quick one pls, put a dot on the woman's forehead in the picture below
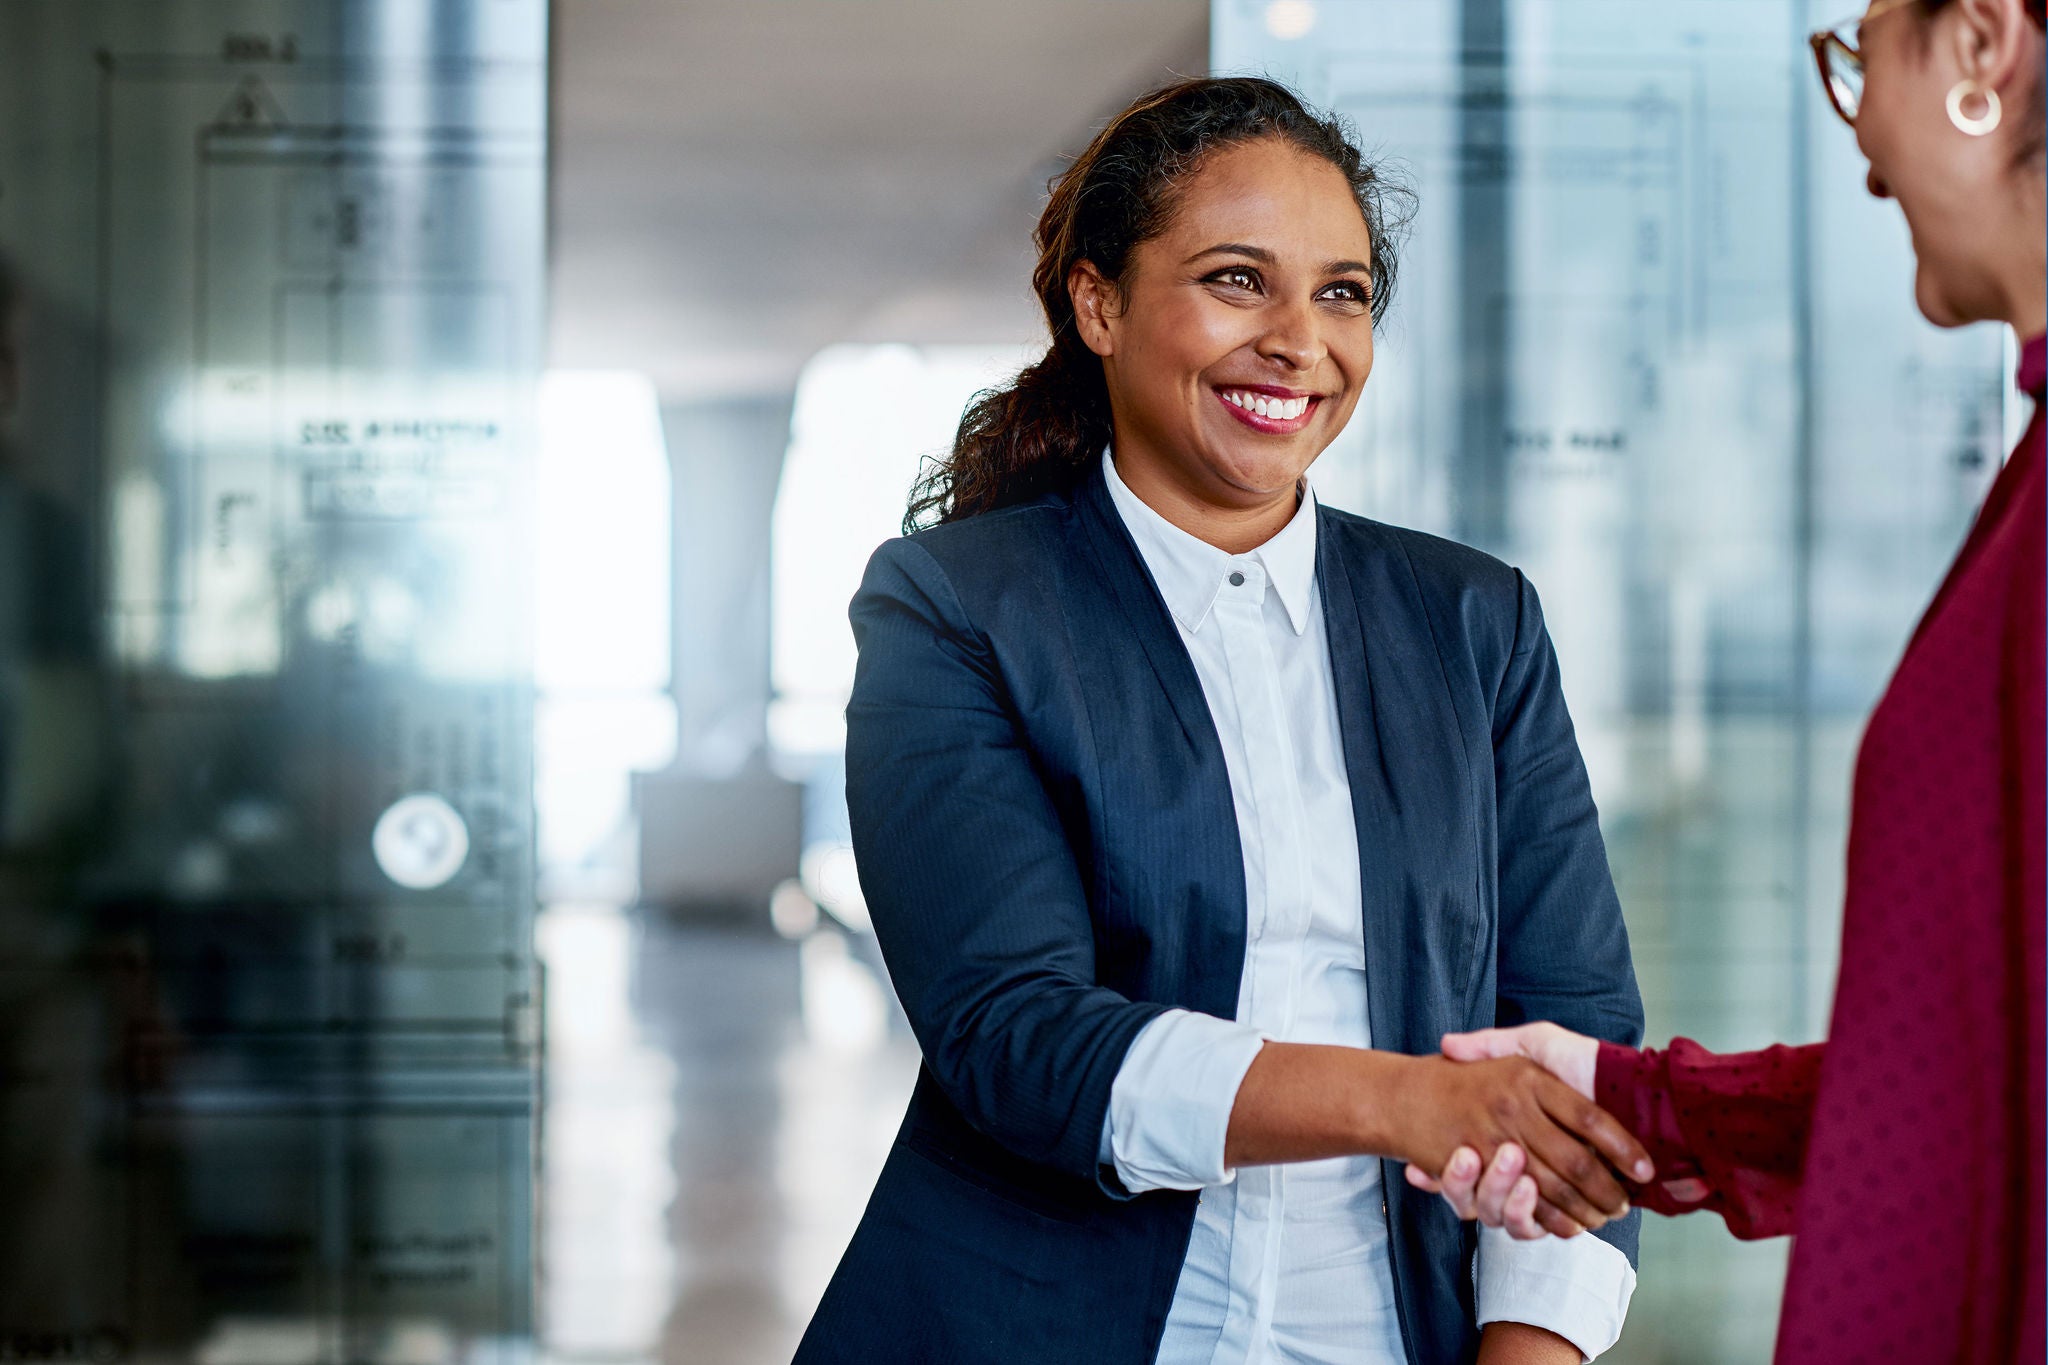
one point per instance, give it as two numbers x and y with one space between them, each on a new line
1271 191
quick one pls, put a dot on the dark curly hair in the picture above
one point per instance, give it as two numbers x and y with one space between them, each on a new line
1038 434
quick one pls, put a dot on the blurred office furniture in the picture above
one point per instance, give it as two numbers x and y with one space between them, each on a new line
719 829
718 845
267 998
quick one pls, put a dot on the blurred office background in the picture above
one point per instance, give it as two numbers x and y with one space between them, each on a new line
438 441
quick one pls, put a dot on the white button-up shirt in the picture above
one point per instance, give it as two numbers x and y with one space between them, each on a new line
1291 1263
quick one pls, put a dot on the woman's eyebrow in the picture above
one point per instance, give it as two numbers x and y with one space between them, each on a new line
1265 257
1257 253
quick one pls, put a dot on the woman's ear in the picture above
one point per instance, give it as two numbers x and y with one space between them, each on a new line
1094 299
1994 45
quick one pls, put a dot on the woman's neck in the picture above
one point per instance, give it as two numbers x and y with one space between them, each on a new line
2025 284
1234 529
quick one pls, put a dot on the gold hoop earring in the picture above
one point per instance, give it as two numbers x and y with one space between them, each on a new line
1981 124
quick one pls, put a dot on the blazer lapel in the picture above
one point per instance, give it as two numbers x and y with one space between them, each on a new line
1122 570
1404 760
1178 802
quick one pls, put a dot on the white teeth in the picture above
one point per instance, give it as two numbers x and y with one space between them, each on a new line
1279 409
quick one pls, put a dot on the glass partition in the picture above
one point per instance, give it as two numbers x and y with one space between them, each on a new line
272 319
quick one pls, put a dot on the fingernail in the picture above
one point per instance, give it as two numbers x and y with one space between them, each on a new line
1462 1163
1644 1170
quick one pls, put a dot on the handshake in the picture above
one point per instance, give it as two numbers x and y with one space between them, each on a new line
1548 1180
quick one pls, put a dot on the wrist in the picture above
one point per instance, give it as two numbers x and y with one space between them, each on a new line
1381 1108
1579 1060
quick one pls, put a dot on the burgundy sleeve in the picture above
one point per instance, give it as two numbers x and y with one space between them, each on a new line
1736 1122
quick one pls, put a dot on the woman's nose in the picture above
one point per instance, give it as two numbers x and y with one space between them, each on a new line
1292 338
1875 183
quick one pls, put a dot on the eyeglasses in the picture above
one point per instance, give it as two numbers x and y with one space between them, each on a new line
1838 52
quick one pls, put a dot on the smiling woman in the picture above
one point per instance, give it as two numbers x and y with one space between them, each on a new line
1188 811
1213 349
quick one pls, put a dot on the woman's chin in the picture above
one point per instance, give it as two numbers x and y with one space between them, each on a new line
1262 478
1942 303
1263 466
1927 297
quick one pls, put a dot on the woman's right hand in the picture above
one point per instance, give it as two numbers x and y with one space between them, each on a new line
1572 1146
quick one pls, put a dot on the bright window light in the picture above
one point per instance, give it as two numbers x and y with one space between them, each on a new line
601 535
601 570
865 418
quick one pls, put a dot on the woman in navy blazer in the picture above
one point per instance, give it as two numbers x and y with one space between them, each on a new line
1044 821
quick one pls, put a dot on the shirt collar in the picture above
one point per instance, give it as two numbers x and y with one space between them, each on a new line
1190 571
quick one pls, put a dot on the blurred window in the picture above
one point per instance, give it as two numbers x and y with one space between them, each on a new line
601 623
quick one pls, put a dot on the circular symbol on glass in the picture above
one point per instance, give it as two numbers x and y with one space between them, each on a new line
420 842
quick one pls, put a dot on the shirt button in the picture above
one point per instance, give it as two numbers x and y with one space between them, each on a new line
1237 580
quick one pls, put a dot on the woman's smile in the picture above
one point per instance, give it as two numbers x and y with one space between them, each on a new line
1268 408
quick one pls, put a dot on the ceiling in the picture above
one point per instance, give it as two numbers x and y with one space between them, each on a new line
737 183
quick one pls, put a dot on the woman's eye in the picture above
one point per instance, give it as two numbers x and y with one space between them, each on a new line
1348 291
1237 277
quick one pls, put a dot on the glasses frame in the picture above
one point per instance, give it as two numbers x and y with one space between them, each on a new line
1833 38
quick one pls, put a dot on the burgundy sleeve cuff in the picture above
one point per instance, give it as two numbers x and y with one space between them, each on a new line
1635 1086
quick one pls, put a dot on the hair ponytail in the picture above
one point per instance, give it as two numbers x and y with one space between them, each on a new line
1017 442
1038 434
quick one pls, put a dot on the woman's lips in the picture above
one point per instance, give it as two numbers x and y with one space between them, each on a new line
1244 408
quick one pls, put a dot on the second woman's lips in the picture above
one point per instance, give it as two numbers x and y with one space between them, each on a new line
1284 412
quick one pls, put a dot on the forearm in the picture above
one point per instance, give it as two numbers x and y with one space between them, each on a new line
1300 1102
1305 1102
1517 1343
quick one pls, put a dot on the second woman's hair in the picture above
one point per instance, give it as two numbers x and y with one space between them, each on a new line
1040 431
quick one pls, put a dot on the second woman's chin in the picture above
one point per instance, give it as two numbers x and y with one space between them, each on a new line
1949 294
1930 300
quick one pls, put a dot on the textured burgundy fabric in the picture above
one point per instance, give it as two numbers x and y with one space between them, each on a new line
1918 1204
1737 1121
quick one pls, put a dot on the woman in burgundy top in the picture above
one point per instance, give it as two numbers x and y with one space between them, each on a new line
1907 1151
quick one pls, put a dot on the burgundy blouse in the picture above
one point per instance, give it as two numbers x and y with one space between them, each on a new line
1907 1151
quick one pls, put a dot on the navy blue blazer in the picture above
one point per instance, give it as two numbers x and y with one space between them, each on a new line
1045 836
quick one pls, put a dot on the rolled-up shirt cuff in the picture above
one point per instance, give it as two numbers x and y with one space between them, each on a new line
1578 1287
1169 1107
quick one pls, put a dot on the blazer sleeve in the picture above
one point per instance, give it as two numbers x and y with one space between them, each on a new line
1563 953
975 893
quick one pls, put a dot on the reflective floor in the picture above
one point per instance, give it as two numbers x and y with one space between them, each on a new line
718 1103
